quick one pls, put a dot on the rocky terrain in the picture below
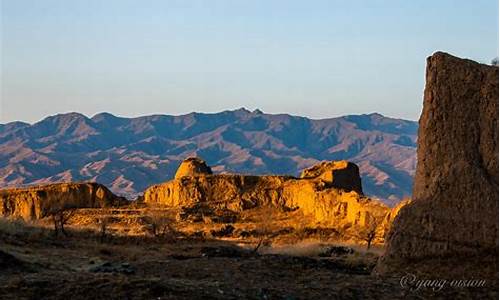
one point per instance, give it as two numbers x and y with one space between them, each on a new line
267 231
130 154
35 265
451 226
330 193
37 202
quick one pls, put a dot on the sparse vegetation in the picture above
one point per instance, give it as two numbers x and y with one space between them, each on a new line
103 226
265 229
161 222
133 267
60 215
301 228
18 227
369 232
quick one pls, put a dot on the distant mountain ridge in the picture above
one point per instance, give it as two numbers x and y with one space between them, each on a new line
129 154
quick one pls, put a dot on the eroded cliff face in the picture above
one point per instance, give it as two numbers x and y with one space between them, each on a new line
454 212
330 192
340 174
36 202
389 218
193 166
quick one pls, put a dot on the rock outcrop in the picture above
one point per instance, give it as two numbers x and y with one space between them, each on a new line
331 193
193 166
337 174
36 202
454 212
391 216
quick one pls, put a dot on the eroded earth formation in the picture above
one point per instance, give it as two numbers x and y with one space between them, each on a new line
451 226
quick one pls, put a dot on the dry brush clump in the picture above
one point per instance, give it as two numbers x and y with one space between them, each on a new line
161 222
60 215
103 223
370 231
265 227
20 228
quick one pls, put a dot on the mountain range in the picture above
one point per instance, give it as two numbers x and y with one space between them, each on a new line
129 154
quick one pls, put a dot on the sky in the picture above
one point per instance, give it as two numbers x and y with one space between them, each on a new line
318 59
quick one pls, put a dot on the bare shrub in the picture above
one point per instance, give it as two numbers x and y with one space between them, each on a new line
301 231
60 215
370 231
264 223
103 223
161 222
21 229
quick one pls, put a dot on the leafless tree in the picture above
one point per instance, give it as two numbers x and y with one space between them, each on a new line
369 232
161 222
60 215
370 235
103 223
265 223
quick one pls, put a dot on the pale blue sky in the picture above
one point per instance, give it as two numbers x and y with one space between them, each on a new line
313 58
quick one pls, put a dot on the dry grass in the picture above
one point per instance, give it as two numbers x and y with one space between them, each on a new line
165 270
18 227
268 226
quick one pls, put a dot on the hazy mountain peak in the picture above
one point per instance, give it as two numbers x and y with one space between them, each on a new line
65 117
242 109
104 116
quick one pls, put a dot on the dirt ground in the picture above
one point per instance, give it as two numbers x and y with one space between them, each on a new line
35 264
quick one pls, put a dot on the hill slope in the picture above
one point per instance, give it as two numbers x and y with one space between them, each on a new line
129 154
